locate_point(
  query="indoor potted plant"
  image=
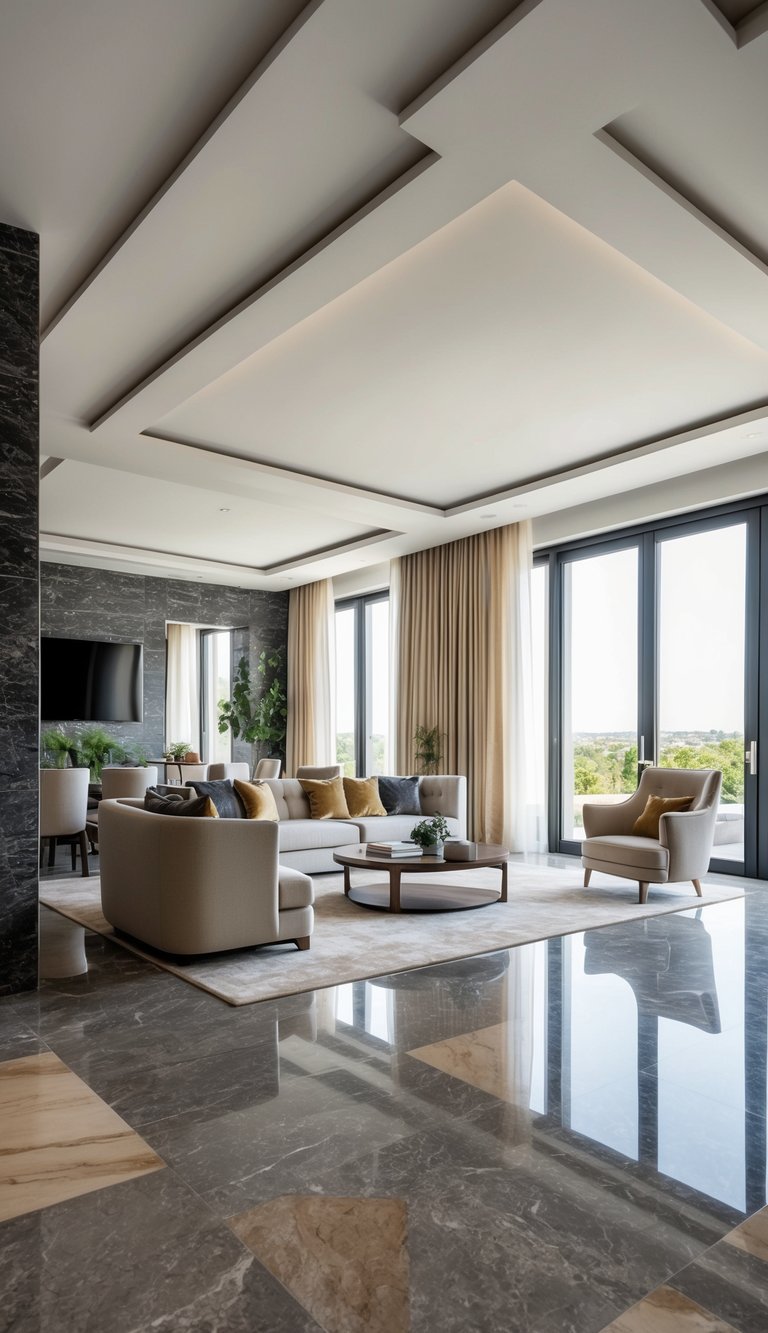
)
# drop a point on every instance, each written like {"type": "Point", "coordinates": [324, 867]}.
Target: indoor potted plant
{"type": "Point", "coordinates": [430, 834]}
{"type": "Point", "coordinates": [428, 748]}
{"type": "Point", "coordinates": [257, 718]}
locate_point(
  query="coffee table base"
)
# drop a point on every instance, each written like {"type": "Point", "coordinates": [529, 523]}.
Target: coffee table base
{"type": "Point", "coordinates": [425, 897]}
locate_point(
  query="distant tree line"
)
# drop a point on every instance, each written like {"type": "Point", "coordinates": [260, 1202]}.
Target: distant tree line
{"type": "Point", "coordinates": [608, 768]}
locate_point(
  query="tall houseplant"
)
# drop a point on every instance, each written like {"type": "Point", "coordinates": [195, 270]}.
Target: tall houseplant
{"type": "Point", "coordinates": [428, 748]}
{"type": "Point", "coordinates": [257, 716]}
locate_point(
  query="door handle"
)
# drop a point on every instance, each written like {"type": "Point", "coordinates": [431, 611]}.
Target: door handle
{"type": "Point", "coordinates": [642, 762]}
{"type": "Point", "coordinates": [750, 758]}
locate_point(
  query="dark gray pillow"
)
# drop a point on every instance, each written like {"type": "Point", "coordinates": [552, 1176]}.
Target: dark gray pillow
{"type": "Point", "coordinates": [223, 795]}
{"type": "Point", "coordinates": [160, 804]}
{"type": "Point", "coordinates": [400, 796]}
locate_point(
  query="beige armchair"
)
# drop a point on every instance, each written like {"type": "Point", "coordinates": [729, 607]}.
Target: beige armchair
{"type": "Point", "coordinates": [684, 845]}
{"type": "Point", "coordinates": [194, 886]}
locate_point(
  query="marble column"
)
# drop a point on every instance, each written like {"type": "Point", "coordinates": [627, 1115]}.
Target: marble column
{"type": "Point", "coordinates": [19, 608]}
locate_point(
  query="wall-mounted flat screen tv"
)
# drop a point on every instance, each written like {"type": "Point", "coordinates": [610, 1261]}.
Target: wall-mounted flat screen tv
{"type": "Point", "coordinates": [85, 680]}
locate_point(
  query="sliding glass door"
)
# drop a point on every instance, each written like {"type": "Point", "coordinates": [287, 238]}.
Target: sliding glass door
{"type": "Point", "coordinates": [655, 636]}
{"type": "Point", "coordinates": [599, 725]}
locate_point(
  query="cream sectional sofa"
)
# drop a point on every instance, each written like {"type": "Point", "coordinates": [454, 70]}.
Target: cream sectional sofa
{"type": "Point", "coordinates": [308, 844]}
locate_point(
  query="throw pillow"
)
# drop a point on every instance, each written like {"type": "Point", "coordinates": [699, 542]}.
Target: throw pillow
{"type": "Point", "coordinates": [200, 807]}
{"type": "Point", "coordinates": [400, 796]}
{"type": "Point", "coordinates": [223, 795]}
{"type": "Point", "coordinates": [258, 800]}
{"type": "Point", "coordinates": [362, 797]}
{"type": "Point", "coordinates": [647, 825]}
{"type": "Point", "coordinates": [326, 798]}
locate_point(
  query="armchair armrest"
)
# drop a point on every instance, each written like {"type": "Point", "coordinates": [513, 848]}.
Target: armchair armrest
{"type": "Point", "coordinates": [602, 819]}
{"type": "Point", "coordinates": [688, 835]}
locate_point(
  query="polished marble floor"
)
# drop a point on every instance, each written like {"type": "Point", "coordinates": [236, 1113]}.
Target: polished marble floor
{"type": "Point", "coordinates": [564, 1137]}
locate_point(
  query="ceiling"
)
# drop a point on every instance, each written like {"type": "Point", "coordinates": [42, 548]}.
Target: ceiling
{"type": "Point", "coordinates": [322, 285]}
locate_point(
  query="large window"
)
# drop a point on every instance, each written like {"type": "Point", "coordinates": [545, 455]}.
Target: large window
{"type": "Point", "coordinates": [215, 684]}
{"type": "Point", "coordinates": [655, 662]}
{"type": "Point", "coordinates": [362, 685]}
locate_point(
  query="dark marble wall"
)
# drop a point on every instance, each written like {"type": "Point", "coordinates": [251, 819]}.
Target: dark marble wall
{"type": "Point", "coordinates": [19, 466]}
{"type": "Point", "coordinates": [97, 603]}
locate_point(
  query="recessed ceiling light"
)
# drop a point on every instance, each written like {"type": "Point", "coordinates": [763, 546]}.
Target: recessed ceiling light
{"type": "Point", "coordinates": [753, 435]}
{"type": "Point", "coordinates": [223, 510]}
{"type": "Point", "coordinates": [484, 516]}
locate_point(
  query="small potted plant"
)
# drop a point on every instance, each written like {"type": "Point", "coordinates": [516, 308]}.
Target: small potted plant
{"type": "Point", "coordinates": [430, 835]}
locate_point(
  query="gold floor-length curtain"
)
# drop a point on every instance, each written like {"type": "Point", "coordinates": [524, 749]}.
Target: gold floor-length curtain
{"type": "Point", "coordinates": [463, 654]}
{"type": "Point", "coordinates": [310, 736]}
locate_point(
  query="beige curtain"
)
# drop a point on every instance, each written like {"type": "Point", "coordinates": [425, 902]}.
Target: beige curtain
{"type": "Point", "coordinates": [182, 686]}
{"type": "Point", "coordinates": [464, 665]}
{"type": "Point", "coordinates": [311, 736]}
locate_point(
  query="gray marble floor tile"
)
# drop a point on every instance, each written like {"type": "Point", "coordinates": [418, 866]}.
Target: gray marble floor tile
{"type": "Point", "coordinates": [144, 1255]}
{"type": "Point", "coordinates": [730, 1283]}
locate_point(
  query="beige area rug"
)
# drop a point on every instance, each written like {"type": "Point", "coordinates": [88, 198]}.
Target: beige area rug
{"type": "Point", "coordinates": [351, 942]}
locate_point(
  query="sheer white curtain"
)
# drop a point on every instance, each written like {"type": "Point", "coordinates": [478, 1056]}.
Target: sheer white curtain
{"type": "Point", "coordinates": [311, 736]}
{"type": "Point", "coordinates": [182, 687]}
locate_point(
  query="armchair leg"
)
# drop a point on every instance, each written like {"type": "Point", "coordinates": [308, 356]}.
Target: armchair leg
{"type": "Point", "coordinates": [643, 892]}
{"type": "Point", "coordinates": [83, 852]}
{"type": "Point", "coordinates": [302, 942]}
{"type": "Point", "coordinates": [587, 878]}
{"type": "Point", "coordinates": [697, 886]}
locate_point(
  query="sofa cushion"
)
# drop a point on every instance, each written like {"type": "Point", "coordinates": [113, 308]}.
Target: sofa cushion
{"type": "Point", "coordinates": [258, 800]}
{"type": "Point", "coordinates": [295, 889]}
{"type": "Point", "coordinates": [647, 824]}
{"type": "Point", "coordinates": [223, 795]}
{"type": "Point", "coordinates": [299, 835]}
{"type": "Point", "coordinates": [626, 850]}
{"type": "Point", "coordinates": [193, 807]}
{"type": "Point", "coordinates": [400, 796]}
{"type": "Point", "coordinates": [394, 828]}
{"type": "Point", "coordinates": [362, 796]}
{"type": "Point", "coordinates": [326, 798]}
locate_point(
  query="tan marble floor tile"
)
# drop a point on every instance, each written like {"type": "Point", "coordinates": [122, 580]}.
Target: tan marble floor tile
{"type": "Point", "coordinates": [752, 1235]}
{"type": "Point", "coordinates": [344, 1260]}
{"type": "Point", "coordinates": [668, 1311]}
{"type": "Point", "coordinates": [482, 1058]}
{"type": "Point", "coordinates": [58, 1139]}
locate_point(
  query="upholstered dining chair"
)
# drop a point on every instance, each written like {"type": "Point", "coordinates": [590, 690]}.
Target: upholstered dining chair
{"type": "Point", "coordinates": [682, 844]}
{"type": "Point", "coordinates": [63, 811]}
{"type": "Point", "coordinates": [322, 774]}
{"type": "Point", "coordinates": [125, 780]}
{"type": "Point", "coordinates": [266, 768]}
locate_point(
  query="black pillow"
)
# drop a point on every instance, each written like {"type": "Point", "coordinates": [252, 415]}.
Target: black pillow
{"type": "Point", "coordinates": [160, 804]}
{"type": "Point", "coordinates": [400, 796]}
{"type": "Point", "coordinates": [223, 795]}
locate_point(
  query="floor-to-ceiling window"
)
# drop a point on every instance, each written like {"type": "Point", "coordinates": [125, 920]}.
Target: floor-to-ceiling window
{"type": "Point", "coordinates": [363, 745]}
{"type": "Point", "coordinates": [215, 685]}
{"type": "Point", "coordinates": [656, 634]}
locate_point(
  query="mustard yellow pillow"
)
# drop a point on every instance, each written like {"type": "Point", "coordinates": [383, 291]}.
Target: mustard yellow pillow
{"type": "Point", "coordinates": [326, 798]}
{"type": "Point", "coordinates": [362, 797]}
{"type": "Point", "coordinates": [647, 825]}
{"type": "Point", "coordinates": [258, 799]}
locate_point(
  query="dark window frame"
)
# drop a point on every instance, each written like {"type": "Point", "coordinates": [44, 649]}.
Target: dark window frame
{"type": "Point", "coordinates": [359, 604]}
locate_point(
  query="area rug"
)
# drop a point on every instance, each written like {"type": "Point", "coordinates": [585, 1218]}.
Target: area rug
{"type": "Point", "coordinates": [352, 942]}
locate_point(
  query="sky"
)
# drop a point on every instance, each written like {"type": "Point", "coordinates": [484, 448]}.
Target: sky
{"type": "Point", "coordinates": [701, 635]}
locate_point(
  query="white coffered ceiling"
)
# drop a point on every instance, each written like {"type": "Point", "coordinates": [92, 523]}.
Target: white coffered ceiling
{"type": "Point", "coordinates": [324, 285]}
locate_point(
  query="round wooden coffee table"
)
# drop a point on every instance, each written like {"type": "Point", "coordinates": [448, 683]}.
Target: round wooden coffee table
{"type": "Point", "coordinates": [394, 897]}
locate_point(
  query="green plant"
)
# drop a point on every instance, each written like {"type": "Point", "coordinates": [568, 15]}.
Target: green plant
{"type": "Point", "coordinates": [94, 747]}
{"type": "Point", "coordinates": [177, 750]}
{"type": "Point", "coordinates": [430, 831]}
{"type": "Point", "coordinates": [138, 755]}
{"type": "Point", "coordinates": [55, 747]}
{"type": "Point", "coordinates": [257, 716]}
{"type": "Point", "coordinates": [428, 748]}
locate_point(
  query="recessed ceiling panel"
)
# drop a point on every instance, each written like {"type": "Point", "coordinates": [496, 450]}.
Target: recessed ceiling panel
{"type": "Point", "coordinates": [121, 508]}
{"type": "Point", "coordinates": [509, 344]}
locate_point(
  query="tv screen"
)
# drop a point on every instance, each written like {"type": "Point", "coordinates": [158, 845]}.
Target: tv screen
{"type": "Point", "coordinates": [85, 680]}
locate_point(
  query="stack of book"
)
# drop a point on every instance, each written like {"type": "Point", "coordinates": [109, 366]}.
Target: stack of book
{"type": "Point", "coordinates": [393, 849]}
